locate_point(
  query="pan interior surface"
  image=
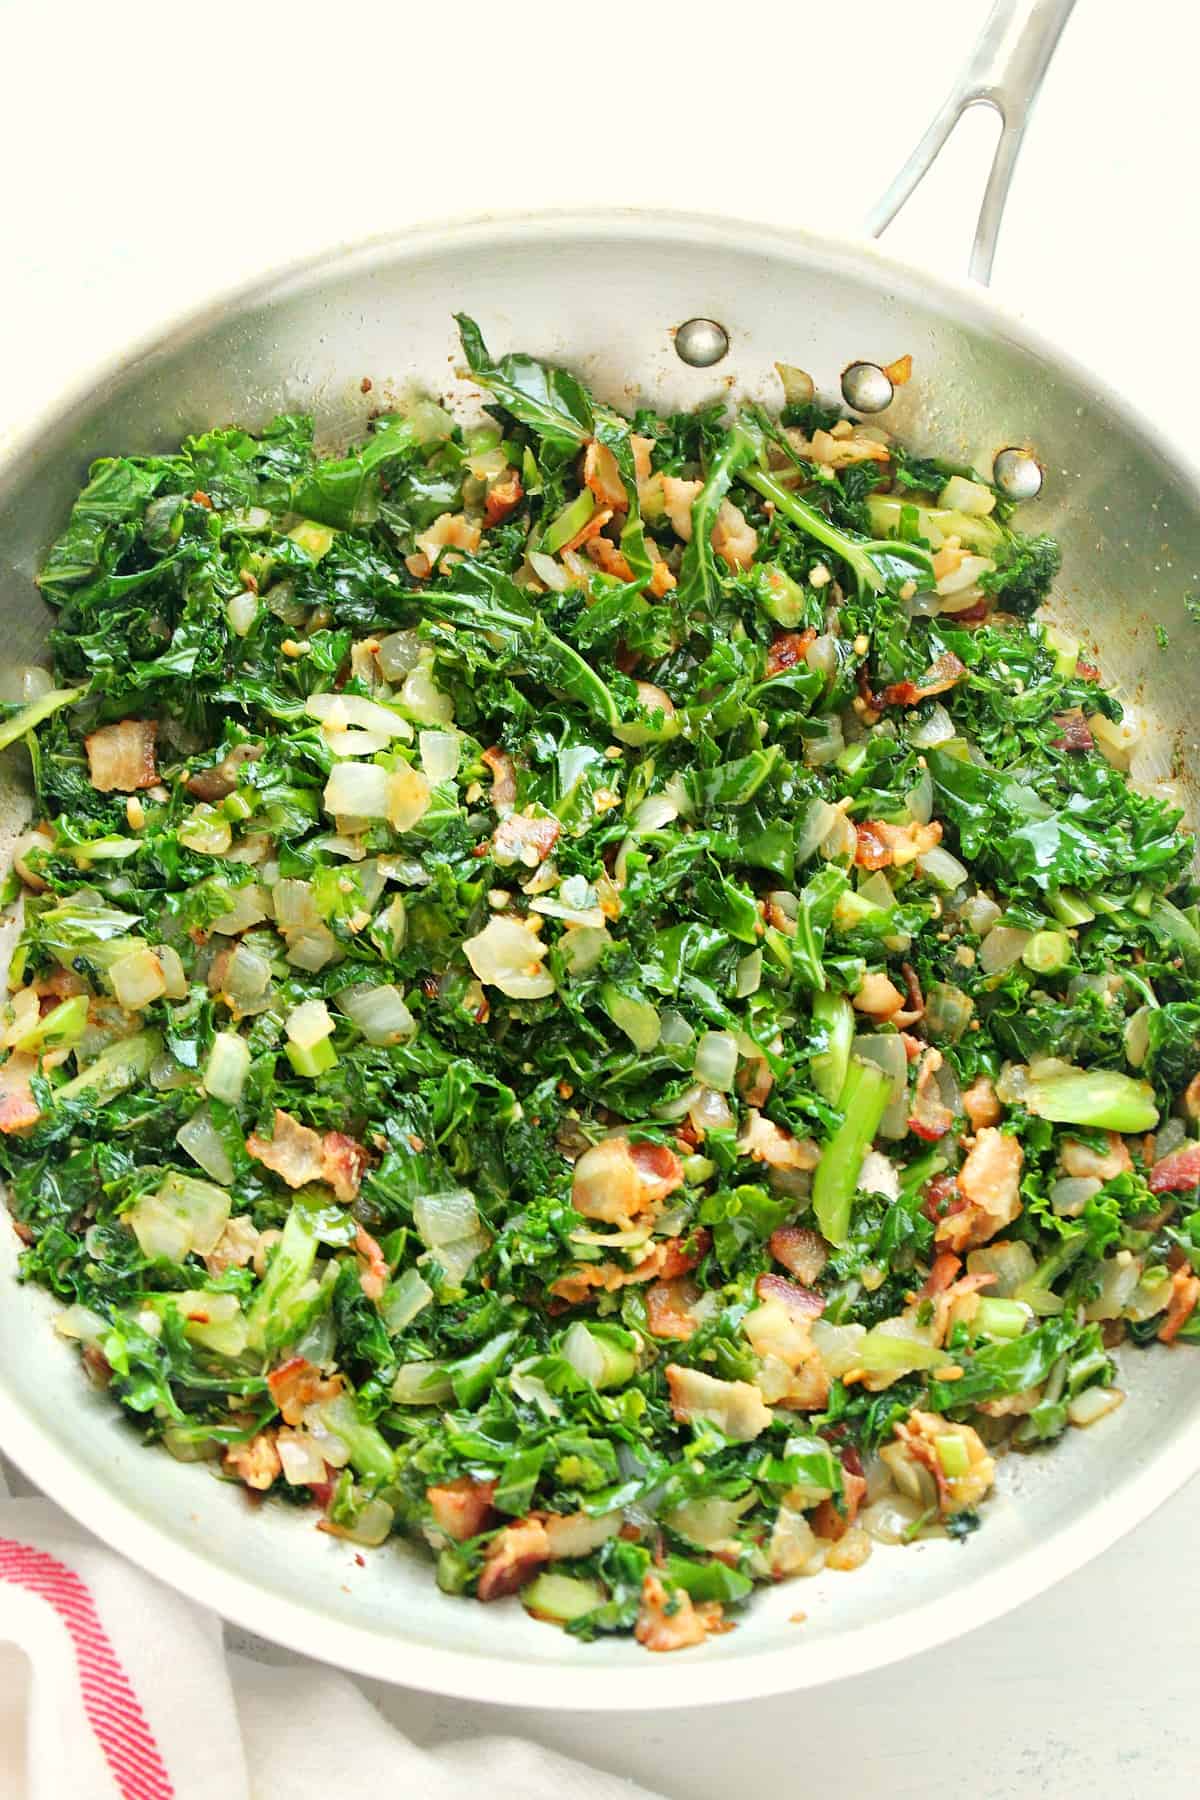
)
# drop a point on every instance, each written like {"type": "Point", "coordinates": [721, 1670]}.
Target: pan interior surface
{"type": "Point", "coordinates": [604, 294]}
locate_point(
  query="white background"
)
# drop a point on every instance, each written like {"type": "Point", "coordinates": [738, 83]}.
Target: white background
{"type": "Point", "coordinates": [154, 153]}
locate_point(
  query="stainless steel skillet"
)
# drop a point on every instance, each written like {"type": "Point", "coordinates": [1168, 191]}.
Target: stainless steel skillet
{"type": "Point", "coordinates": [603, 292]}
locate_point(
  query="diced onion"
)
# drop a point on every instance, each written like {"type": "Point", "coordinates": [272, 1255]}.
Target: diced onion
{"type": "Point", "coordinates": [422, 697]}
{"type": "Point", "coordinates": [408, 798]}
{"type": "Point", "coordinates": [886, 1051]}
{"type": "Point", "coordinates": [1069, 1196]}
{"type": "Point", "coordinates": [1002, 949]}
{"type": "Point", "coordinates": [890, 1520]}
{"type": "Point", "coordinates": [709, 1110]}
{"type": "Point", "coordinates": [819, 819]}
{"type": "Point", "coordinates": [199, 1137]}
{"type": "Point", "coordinates": [749, 974]}
{"type": "Point", "coordinates": [247, 909]}
{"type": "Point", "coordinates": [837, 1345]}
{"type": "Point", "coordinates": [184, 1215]}
{"type": "Point", "coordinates": [583, 947]}
{"type": "Point", "coordinates": [443, 1218]}
{"type": "Point", "coordinates": [822, 655]}
{"type": "Point", "coordinates": [963, 580]}
{"type": "Point", "coordinates": [356, 743]}
{"type": "Point", "coordinates": [938, 866]}
{"type": "Point", "coordinates": [798, 389]}
{"type": "Point", "coordinates": [399, 654]}
{"type": "Point", "coordinates": [360, 790]}
{"type": "Point", "coordinates": [716, 1060]}
{"type": "Point", "coordinates": [551, 574]}
{"type": "Point", "coordinates": [306, 1025]}
{"type": "Point", "coordinates": [300, 1458]}
{"type": "Point", "coordinates": [840, 840]}
{"type": "Point", "coordinates": [1093, 1404]}
{"type": "Point", "coordinates": [247, 979]}
{"type": "Point", "coordinates": [421, 1384]}
{"type": "Point", "coordinates": [295, 907]}
{"type": "Point", "coordinates": [919, 798]}
{"type": "Point", "coordinates": [440, 754]}
{"type": "Point", "coordinates": [241, 611]}
{"type": "Point", "coordinates": [580, 1349]}
{"type": "Point", "coordinates": [341, 710]}
{"type": "Point", "coordinates": [1116, 740]}
{"type": "Point", "coordinates": [1119, 1278]}
{"type": "Point", "coordinates": [979, 914]}
{"type": "Point", "coordinates": [507, 955]}
{"type": "Point", "coordinates": [227, 1067]}
{"type": "Point", "coordinates": [1012, 1264]}
{"type": "Point", "coordinates": [458, 1257]}
{"type": "Point", "coordinates": [970, 497]}
{"type": "Point", "coordinates": [82, 1324]}
{"type": "Point", "coordinates": [655, 811]}
{"type": "Point", "coordinates": [935, 728]}
{"type": "Point", "coordinates": [137, 979]}
{"type": "Point", "coordinates": [379, 1013]}
{"type": "Point", "coordinates": [311, 950]}
{"type": "Point", "coordinates": [409, 1295]}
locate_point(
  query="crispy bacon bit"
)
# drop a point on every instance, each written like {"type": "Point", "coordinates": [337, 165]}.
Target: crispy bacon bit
{"type": "Point", "coordinates": [734, 539]}
{"type": "Point", "coordinates": [941, 1276]}
{"type": "Point", "coordinates": [235, 1247]}
{"type": "Point", "coordinates": [1174, 1174]}
{"type": "Point", "coordinates": [916, 1000]}
{"type": "Point", "coordinates": [769, 1143]}
{"type": "Point", "coordinates": [871, 851]}
{"type": "Point", "coordinates": [930, 1118]}
{"type": "Point", "coordinates": [373, 1269]}
{"type": "Point", "coordinates": [1080, 1160]}
{"type": "Point", "coordinates": [827, 1520]}
{"type": "Point", "coordinates": [668, 1308]}
{"type": "Point", "coordinates": [121, 757]}
{"type": "Point", "coordinates": [520, 838]}
{"type": "Point", "coordinates": [899, 373]}
{"type": "Point", "coordinates": [461, 1508]}
{"type": "Point", "coordinates": [503, 497]}
{"type": "Point", "coordinates": [504, 777]}
{"type": "Point", "coordinates": [801, 1302]}
{"type": "Point", "coordinates": [1074, 729]}
{"type": "Point", "coordinates": [298, 1155]}
{"type": "Point", "coordinates": [18, 1108]}
{"type": "Point", "coordinates": [678, 498]}
{"type": "Point", "coordinates": [595, 524]}
{"type": "Point", "coordinates": [661, 581]}
{"type": "Point", "coordinates": [980, 1103]}
{"type": "Point", "coordinates": [513, 1556]}
{"type": "Point", "coordinates": [755, 1081]}
{"type": "Point", "coordinates": [735, 1407]}
{"type": "Point", "coordinates": [946, 672]}
{"type": "Point", "coordinates": [296, 1384]}
{"type": "Point", "coordinates": [990, 1183]}
{"type": "Point", "coordinates": [802, 1252]}
{"type": "Point", "coordinates": [607, 556]}
{"type": "Point", "coordinates": [942, 1198]}
{"type": "Point", "coordinates": [682, 1254]}
{"type": "Point", "coordinates": [787, 649]}
{"type": "Point", "coordinates": [1086, 671]}
{"type": "Point", "coordinates": [1185, 1291]}
{"type": "Point", "coordinates": [668, 1620]}
{"type": "Point", "coordinates": [878, 996]}
{"type": "Point", "coordinates": [256, 1462]}
{"type": "Point", "coordinates": [659, 1171]}
{"type": "Point", "coordinates": [449, 531]}
{"type": "Point", "coordinates": [974, 615]}
{"type": "Point", "coordinates": [603, 476]}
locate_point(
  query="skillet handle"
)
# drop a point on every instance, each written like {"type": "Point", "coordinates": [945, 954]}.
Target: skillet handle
{"type": "Point", "coordinates": [1004, 71]}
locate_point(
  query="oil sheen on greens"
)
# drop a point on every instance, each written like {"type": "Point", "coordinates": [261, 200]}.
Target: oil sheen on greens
{"type": "Point", "coordinates": [596, 993]}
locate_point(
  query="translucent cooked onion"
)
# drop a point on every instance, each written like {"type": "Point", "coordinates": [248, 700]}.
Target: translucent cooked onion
{"type": "Point", "coordinates": [749, 974]}
{"type": "Point", "coordinates": [1116, 740]}
{"type": "Point", "coordinates": [1119, 1278]}
{"type": "Point", "coordinates": [655, 811]}
{"type": "Point", "coordinates": [1069, 1196]}
{"type": "Point", "coordinates": [935, 728]}
{"type": "Point", "coordinates": [979, 913]}
{"type": "Point", "coordinates": [300, 1458]}
{"type": "Point", "coordinates": [424, 700]}
{"type": "Point", "coordinates": [440, 754]}
{"type": "Point", "coordinates": [822, 655]}
{"type": "Point", "coordinates": [886, 1050]}
{"type": "Point", "coordinates": [1093, 1404]}
{"type": "Point", "coordinates": [422, 1384]}
{"type": "Point", "coordinates": [507, 955]}
{"type": "Point", "coordinates": [837, 1345]}
{"type": "Point", "coordinates": [248, 908]}
{"type": "Point", "coordinates": [822, 749]}
{"type": "Point", "coordinates": [892, 1518]}
{"type": "Point", "coordinates": [379, 1013]}
{"type": "Point", "coordinates": [1011, 1263]}
{"type": "Point", "coordinates": [458, 1258]}
{"type": "Point", "coordinates": [308, 1024]}
{"type": "Point", "coordinates": [583, 947]}
{"type": "Point", "coordinates": [199, 1137]}
{"type": "Point", "coordinates": [819, 820]}
{"type": "Point", "coordinates": [841, 840]}
{"type": "Point", "coordinates": [241, 611]}
{"type": "Point", "coordinates": [227, 1067]}
{"type": "Point", "coordinates": [581, 1350]}
{"type": "Point", "coordinates": [798, 388]}
{"type": "Point", "coordinates": [919, 798]}
{"type": "Point", "coordinates": [961, 583]}
{"type": "Point", "coordinates": [408, 798]}
{"type": "Point", "coordinates": [356, 743]}
{"type": "Point", "coordinates": [675, 1031]}
{"type": "Point", "coordinates": [709, 1110]}
{"type": "Point", "coordinates": [247, 978]}
{"type": "Point", "coordinates": [295, 907]}
{"type": "Point", "coordinates": [1002, 949]}
{"type": "Point", "coordinates": [311, 950]}
{"type": "Point", "coordinates": [551, 574]}
{"type": "Point", "coordinates": [970, 497]}
{"type": "Point", "coordinates": [938, 866]}
{"type": "Point", "coordinates": [358, 790]}
{"type": "Point", "coordinates": [137, 979]}
{"type": "Point", "coordinates": [443, 1218]}
{"type": "Point", "coordinates": [398, 654]}
{"type": "Point", "coordinates": [716, 1060]}
{"type": "Point", "coordinates": [407, 1296]}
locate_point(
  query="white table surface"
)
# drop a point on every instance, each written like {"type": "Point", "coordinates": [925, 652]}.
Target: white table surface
{"type": "Point", "coordinates": [156, 152]}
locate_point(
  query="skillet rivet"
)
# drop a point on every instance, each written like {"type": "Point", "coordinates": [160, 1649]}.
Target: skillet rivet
{"type": "Point", "coordinates": [866, 387]}
{"type": "Point", "coordinates": [1017, 473]}
{"type": "Point", "coordinates": [701, 342]}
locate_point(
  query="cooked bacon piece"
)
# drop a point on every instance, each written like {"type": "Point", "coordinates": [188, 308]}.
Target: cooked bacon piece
{"type": "Point", "coordinates": [787, 649]}
{"type": "Point", "coordinates": [18, 1108]}
{"type": "Point", "coordinates": [980, 1103]}
{"type": "Point", "coordinates": [916, 1000]}
{"type": "Point", "coordinates": [907, 842]}
{"type": "Point", "coordinates": [595, 524]}
{"type": "Point", "coordinates": [802, 1252]}
{"type": "Point", "coordinates": [1075, 734]}
{"type": "Point", "coordinates": [661, 581]}
{"type": "Point", "coordinates": [946, 672]}
{"type": "Point", "coordinates": [668, 1305]}
{"type": "Point", "coordinates": [734, 539]}
{"type": "Point", "coordinates": [255, 1462]}
{"type": "Point", "coordinates": [217, 782]}
{"type": "Point", "coordinates": [503, 497]}
{"type": "Point", "coordinates": [298, 1155]}
{"type": "Point", "coordinates": [518, 838]}
{"type": "Point", "coordinates": [942, 1198]}
{"type": "Point", "coordinates": [734, 1407]}
{"type": "Point", "coordinates": [872, 850]}
{"type": "Point", "coordinates": [678, 498]}
{"type": "Point", "coordinates": [1077, 1159]}
{"type": "Point", "coordinates": [801, 1302]}
{"type": "Point", "coordinates": [878, 996]}
{"type": "Point", "coordinates": [769, 1143]}
{"type": "Point", "coordinates": [990, 1183]}
{"type": "Point", "coordinates": [667, 1259]}
{"type": "Point", "coordinates": [121, 757]}
{"type": "Point", "coordinates": [373, 1269]}
{"type": "Point", "coordinates": [779, 1331]}
{"type": "Point", "coordinates": [1176, 1173]}
{"type": "Point", "coordinates": [755, 1080]}
{"type": "Point", "coordinates": [682, 1254]}
{"type": "Point", "coordinates": [449, 531]}
{"type": "Point", "coordinates": [930, 1117]}
{"type": "Point", "coordinates": [513, 1556]}
{"type": "Point", "coordinates": [607, 556]}
{"type": "Point", "coordinates": [899, 372]}
{"type": "Point", "coordinates": [603, 476]}
{"type": "Point", "coordinates": [297, 1383]}
{"type": "Point", "coordinates": [668, 1620]}
{"type": "Point", "coordinates": [504, 777]}
{"type": "Point", "coordinates": [1185, 1291]}
{"type": "Point", "coordinates": [461, 1507]}
{"type": "Point", "coordinates": [642, 448]}
{"type": "Point", "coordinates": [827, 1520]}
{"type": "Point", "coordinates": [614, 1181]}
